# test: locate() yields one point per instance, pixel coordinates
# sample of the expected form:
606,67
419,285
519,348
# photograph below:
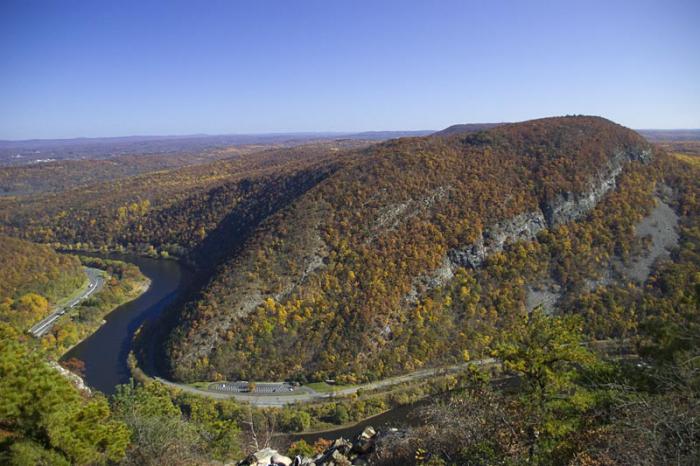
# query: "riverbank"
404,415
145,251
123,283
93,284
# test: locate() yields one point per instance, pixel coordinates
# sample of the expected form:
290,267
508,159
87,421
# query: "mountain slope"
37,269
354,278
31,277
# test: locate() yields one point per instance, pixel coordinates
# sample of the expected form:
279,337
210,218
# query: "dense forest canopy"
36,268
32,278
169,211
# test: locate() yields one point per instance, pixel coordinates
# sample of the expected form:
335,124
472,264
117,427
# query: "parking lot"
258,387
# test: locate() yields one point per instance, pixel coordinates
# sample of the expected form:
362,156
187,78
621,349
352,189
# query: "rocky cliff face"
568,206
564,208
523,227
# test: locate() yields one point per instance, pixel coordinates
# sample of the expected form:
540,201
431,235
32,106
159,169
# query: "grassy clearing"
323,387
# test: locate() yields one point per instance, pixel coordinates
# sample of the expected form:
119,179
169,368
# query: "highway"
221,390
95,285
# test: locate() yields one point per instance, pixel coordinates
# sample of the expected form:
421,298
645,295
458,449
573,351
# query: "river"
105,351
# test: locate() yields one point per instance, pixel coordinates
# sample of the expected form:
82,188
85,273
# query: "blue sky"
98,68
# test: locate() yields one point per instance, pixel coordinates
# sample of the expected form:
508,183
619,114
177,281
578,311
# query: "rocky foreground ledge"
341,453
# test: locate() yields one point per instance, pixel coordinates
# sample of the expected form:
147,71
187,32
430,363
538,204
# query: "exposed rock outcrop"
74,378
545,296
266,457
523,227
341,453
660,227
564,208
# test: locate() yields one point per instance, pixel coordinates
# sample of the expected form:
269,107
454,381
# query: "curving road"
95,285
305,394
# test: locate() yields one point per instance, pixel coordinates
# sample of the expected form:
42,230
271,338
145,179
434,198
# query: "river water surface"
105,351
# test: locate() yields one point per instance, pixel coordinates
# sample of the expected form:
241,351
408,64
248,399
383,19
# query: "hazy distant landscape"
48,150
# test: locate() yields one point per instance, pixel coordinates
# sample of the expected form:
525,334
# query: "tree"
160,435
547,354
26,452
341,415
215,424
294,421
86,433
301,448
42,407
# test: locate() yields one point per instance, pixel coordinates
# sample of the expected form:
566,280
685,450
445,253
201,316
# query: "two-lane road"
306,394
96,282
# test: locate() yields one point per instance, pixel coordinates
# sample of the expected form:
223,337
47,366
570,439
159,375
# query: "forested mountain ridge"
336,283
169,211
466,128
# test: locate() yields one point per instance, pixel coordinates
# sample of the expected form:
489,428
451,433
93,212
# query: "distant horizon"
194,135
313,132
288,133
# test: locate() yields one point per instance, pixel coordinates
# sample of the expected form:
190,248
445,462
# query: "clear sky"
97,68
